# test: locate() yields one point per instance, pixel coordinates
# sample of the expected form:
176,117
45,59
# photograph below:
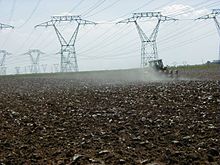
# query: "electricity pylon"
68,53
3,52
3,55
213,15
44,67
148,44
56,68
35,57
4,26
17,69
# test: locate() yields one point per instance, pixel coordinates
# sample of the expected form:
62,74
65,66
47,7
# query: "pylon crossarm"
4,26
36,51
58,19
141,33
128,20
46,24
166,18
33,51
67,18
147,15
34,60
213,14
208,16
85,22
216,11
4,52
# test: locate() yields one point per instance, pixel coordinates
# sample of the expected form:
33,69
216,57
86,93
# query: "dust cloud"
130,75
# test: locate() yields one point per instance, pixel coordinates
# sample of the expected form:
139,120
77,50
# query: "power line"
181,34
134,10
107,29
187,42
32,13
26,40
198,6
168,37
121,47
148,43
77,5
99,3
51,37
114,58
186,29
106,40
107,7
111,54
142,6
10,18
213,15
182,31
12,10
124,55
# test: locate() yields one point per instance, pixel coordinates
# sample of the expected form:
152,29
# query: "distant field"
204,72
199,72
130,75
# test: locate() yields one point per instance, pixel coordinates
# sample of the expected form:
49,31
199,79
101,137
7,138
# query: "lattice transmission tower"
17,69
213,15
148,44
3,55
56,68
3,52
35,58
44,67
68,52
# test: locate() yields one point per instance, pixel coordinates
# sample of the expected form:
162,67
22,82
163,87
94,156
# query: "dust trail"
129,75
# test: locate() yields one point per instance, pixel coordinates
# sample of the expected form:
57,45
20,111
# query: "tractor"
158,66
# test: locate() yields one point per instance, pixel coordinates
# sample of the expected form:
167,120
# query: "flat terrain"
201,72
67,119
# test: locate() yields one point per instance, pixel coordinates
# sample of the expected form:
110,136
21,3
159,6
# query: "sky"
107,45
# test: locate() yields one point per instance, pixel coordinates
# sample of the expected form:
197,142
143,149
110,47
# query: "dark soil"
67,121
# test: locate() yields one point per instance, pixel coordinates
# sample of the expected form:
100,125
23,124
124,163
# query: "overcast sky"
107,45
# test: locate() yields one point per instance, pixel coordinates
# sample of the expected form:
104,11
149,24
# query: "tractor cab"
157,65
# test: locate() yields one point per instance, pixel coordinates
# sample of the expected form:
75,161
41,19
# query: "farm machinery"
158,66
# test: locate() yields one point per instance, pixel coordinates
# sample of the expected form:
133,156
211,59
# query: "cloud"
183,11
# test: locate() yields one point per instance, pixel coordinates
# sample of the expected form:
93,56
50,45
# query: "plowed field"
71,121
